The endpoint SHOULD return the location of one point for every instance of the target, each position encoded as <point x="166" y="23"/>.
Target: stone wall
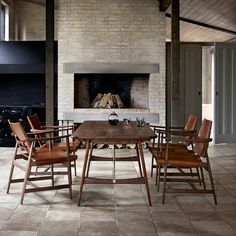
<point x="110" y="31"/>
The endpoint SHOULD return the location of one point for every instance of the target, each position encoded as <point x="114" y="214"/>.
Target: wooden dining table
<point x="101" y="132"/>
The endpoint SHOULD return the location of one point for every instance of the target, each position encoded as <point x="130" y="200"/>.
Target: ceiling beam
<point x="49" y="90"/>
<point x="204" y="25"/>
<point x="164" y="5"/>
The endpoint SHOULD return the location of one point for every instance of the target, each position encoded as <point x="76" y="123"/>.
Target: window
<point x="4" y="21"/>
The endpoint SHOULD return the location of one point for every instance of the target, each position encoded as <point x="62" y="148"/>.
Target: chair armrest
<point x="200" y="140"/>
<point x="58" y="126"/>
<point x="166" y="127"/>
<point x="46" y="138"/>
<point x="39" y="131"/>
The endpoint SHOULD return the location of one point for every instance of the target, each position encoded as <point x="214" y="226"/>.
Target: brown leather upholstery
<point x="183" y="158"/>
<point x="34" y="121"/>
<point x="35" y="125"/>
<point x="189" y="127"/>
<point x="26" y="156"/>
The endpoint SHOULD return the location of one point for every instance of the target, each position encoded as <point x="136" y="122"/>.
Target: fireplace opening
<point x="132" y="89"/>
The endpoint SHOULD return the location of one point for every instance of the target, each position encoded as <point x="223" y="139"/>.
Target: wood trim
<point x="204" y="25"/>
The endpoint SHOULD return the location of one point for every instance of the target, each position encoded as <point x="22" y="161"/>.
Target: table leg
<point x="144" y="172"/>
<point x="114" y="164"/>
<point x="84" y="170"/>
<point x="139" y="164"/>
<point x="89" y="160"/>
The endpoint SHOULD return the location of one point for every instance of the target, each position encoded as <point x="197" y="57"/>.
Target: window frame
<point x="4" y="35"/>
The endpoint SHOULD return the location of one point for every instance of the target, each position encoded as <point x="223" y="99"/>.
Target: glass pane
<point x="2" y="22"/>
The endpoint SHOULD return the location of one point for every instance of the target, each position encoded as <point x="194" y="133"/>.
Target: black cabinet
<point x="14" y="114"/>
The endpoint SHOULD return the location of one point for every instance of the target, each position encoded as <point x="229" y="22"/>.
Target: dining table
<point x="102" y="132"/>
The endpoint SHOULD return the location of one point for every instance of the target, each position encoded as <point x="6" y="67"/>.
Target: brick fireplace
<point x="131" y="89"/>
<point x="111" y="37"/>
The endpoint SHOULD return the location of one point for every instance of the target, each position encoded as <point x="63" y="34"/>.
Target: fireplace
<point x="133" y="89"/>
<point x="135" y="84"/>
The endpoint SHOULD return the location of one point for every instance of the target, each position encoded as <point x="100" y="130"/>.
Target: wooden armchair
<point x="181" y="159"/>
<point x="26" y="155"/>
<point x="188" y="130"/>
<point x="65" y="127"/>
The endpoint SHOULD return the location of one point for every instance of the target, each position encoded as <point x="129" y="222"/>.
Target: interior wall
<point x="27" y="21"/>
<point x="111" y="32"/>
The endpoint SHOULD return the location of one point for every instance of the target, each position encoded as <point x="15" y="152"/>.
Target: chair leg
<point x="27" y="173"/>
<point x="203" y="179"/>
<point x="152" y="166"/>
<point x="158" y="178"/>
<point x="89" y="160"/>
<point x="191" y="171"/>
<point x="199" y="177"/>
<point x="211" y="180"/>
<point x="52" y="169"/>
<point x="75" y="168"/>
<point x="69" y="178"/>
<point x="10" y="178"/>
<point x="157" y="172"/>
<point x="139" y="164"/>
<point x="164" y="184"/>
<point x="12" y="169"/>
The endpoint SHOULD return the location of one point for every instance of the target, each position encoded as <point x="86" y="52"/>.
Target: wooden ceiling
<point x="216" y="13"/>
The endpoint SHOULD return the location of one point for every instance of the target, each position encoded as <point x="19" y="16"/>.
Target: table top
<point x="103" y="132"/>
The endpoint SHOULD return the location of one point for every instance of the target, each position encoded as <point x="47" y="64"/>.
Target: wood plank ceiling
<point x="216" y="13"/>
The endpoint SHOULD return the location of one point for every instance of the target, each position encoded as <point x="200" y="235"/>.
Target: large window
<point x="4" y="21"/>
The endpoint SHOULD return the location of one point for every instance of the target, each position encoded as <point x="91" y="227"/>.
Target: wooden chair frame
<point x="65" y="127"/>
<point x="189" y="130"/>
<point x="166" y="157"/>
<point x="25" y="150"/>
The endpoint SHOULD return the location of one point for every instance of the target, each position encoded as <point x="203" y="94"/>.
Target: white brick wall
<point x="131" y="31"/>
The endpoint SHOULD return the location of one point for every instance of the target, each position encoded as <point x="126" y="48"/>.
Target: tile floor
<point x="121" y="209"/>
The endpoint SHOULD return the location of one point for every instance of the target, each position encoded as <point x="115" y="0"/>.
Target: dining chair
<point x="181" y="159"/>
<point x="27" y="155"/>
<point x="65" y="127"/>
<point x="188" y="129"/>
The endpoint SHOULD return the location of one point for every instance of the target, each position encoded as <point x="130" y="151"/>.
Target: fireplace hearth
<point x="131" y="88"/>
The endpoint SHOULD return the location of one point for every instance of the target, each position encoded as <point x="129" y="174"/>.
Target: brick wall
<point x="126" y="31"/>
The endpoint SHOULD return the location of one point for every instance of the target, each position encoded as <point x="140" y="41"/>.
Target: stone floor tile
<point x="172" y="227"/>
<point x="17" y="233"/>
<point x="177" y="234"/>
<point x="97" y="215"/>
<point x="121" y="210"/>
<point x="96" y="234"/>
<point x="212" y="227"/>
<point x="136" y="226"/>
<point x="59" y="228"/>
<point x="6" y="210"/>
<point x="98" y="226"/>
<point x="23" y="225"/>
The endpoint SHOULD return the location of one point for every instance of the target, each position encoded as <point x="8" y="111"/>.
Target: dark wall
<point x="23" y="57"/>
<point x="22" y="84"/>
<point x="22" y="90"/>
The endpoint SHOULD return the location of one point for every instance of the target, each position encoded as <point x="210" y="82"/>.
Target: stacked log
<point x="107" y="100"/>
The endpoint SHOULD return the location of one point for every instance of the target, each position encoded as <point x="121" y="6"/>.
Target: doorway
<point x="207" y="83"/>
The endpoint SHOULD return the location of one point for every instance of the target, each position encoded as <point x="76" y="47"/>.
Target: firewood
<point x="96" y="100"/>
<point x="131" y="146"/>
<point x="120" y="104"/>
<point x="104" y="100"/>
